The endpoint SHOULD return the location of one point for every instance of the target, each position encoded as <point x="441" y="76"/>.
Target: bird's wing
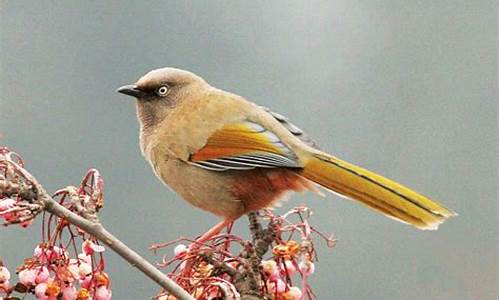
<point x="296" y="131"/>
<point x="243" y="146"/>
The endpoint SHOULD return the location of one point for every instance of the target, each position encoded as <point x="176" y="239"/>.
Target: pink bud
<point x="69" y="293"/>
<point x="271" y="269"/>
<point x="102" y="293"/>
<point x="42" y="253"/>
<point x="4" y="286"/>
<point x="280" y="286"/>
<point x="289" y="267"/>
<point x="37" y="252"/>
<point x="84" y="270"/>
<point x="40" y="291"/>
<point x="89" y="247"/>
<point x="26" y="223"/>
<point x="58" y="252"/>
<point x="74" y="270"/>
<point x="307" y="268"/>
<point x="28" y="277"/>
<point x="85" y="258"/>
<point x="4" y="274"/>
<point x="86" y="282"/>
<point x="294" y="293"/>
<point x="180" y="250"/>
<point x="42" y="274"/>
<point x="9" y="217"/>
<point x="7" y="204"/>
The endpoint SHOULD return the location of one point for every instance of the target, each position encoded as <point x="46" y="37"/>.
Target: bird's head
<point x="160" y="90"/>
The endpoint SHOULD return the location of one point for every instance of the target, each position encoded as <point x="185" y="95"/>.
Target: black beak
<point x="132" y="90"/>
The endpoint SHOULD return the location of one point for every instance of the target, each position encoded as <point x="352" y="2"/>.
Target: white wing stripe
<point x="247" y="162"/>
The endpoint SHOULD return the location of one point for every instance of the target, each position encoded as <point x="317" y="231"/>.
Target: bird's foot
<point x="194" y="248"/>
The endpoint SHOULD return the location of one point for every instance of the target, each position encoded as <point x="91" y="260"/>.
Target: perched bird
<point x="229" y="156"/>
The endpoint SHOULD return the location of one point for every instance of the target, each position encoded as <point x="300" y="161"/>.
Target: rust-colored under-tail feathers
<point x="375" y="191"/>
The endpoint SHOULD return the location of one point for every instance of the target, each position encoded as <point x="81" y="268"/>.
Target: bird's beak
<point x="131" y="90"/>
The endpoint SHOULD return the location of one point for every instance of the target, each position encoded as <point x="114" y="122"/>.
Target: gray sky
<point x="405" y="88"/>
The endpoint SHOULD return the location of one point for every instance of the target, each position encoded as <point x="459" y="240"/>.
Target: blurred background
<point x="405" y="88"/>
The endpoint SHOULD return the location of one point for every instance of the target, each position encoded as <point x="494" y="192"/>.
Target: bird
<point x="229" y="156"/>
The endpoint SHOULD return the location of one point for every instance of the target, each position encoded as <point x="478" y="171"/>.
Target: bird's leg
<point x="198" y="243"/>
<point x="209" y="234"/>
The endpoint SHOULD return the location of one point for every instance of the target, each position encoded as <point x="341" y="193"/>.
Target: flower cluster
<point x="51" y="274"/>
<point x="213" y="271"/>
<point x="57" y="270"/>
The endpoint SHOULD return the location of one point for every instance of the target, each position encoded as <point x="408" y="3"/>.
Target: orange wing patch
<point x="245" y="145"/>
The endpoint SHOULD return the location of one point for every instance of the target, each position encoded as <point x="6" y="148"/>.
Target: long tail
<point x="375" y="191"/>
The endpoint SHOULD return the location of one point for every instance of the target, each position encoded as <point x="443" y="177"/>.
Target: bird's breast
<point x="210" y="191"/>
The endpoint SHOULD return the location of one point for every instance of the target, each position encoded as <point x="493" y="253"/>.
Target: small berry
<point x="42" y="274"/>
<point x="89" y="247"/>
<point x="180" y="250"/>
<point x="289" y="267"/>
<point x="4" y="286"/>
<point x="40" y="291"/>
<point x="69" y="293"/>
<point x="294" y="293"/>
<point x="271" y="269"/>
<point x="306" y="267"/>
<point x="4" y="274"/>
<point x="27" y="277"/>
<point x="102" y="293"/>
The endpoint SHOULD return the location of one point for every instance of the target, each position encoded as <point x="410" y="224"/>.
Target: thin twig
<point x="97" y="230"/>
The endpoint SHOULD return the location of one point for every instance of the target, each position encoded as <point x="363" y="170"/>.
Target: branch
<point x="94" y="228"/>
<point x="97" y="230"/>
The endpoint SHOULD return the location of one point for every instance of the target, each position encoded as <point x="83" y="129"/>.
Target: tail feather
<point x="382" y="194"/>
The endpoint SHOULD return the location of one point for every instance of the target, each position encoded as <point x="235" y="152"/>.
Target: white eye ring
<point x="162" y="90"/>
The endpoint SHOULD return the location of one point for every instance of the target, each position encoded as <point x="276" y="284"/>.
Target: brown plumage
<point x="229" y="156"/>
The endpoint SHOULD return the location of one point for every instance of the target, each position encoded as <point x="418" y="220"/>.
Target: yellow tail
<point x="375" y="191"/>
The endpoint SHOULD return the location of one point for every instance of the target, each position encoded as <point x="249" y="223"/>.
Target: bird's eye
<point x="162" y="90"/>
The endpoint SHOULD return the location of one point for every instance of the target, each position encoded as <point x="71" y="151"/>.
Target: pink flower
<point x="84" y="270"/>
<point x="307" y="268"/>
<point x="271" y="269"/>
<point x="42" y="253"/>
<point x="7" y="203"/>
<point x="85" y="258"/>
<point x="40" y="291"/>
<point x="102" y="293"/>
<point x="4" y="274"/>
<point x="42" y="274"/>
<point x="58" y="252"/>
<point x="278" y="286"/>
<point x="86" y="281"/>
<point x="89" y="247"/>
<point x="294" y="293"/>
<point x="289" y="267"/>
<point x="48" y="253"/>
<point x="69" y="293"/>
<point x="180" y="250"/>
<point x="4" y="280"/>
<point x="38" y="251"/>
<point x="4" y="286"/>
<point x="28" y="277"/>
<point x="74" y="269"/>
<point x="9" y="217"/>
